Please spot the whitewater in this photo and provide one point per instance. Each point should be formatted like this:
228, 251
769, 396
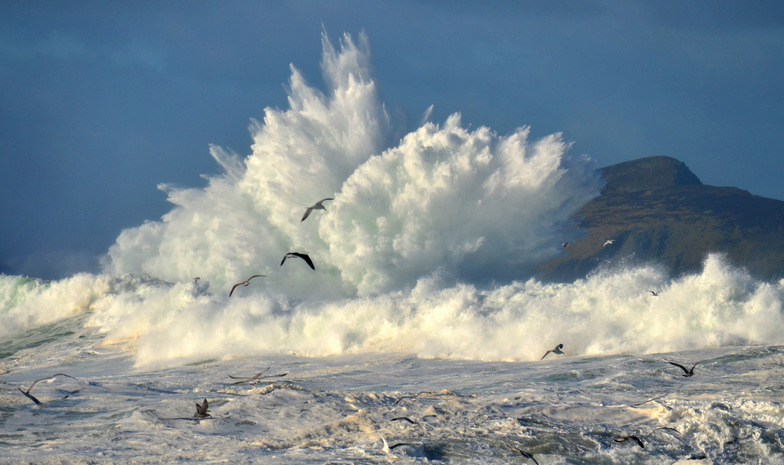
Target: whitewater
418, 337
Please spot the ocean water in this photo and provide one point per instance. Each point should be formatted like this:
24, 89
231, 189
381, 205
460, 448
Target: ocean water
419, 335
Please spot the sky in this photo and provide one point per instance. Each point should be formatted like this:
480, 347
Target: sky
102, 101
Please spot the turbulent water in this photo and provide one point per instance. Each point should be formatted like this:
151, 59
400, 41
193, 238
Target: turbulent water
419, 334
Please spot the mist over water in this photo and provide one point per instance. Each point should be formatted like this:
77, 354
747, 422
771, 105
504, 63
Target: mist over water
426, 248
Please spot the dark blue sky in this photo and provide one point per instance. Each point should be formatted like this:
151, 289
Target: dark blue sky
101, 101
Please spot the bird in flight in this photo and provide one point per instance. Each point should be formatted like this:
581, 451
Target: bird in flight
565, 244
525, 454
687, 373
654, 293
630, 437
245, 283
50, 378
608, 242
557, 350
316, 206
300, 255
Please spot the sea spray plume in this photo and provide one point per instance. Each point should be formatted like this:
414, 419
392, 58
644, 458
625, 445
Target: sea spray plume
472, 203
479, 205
217, 228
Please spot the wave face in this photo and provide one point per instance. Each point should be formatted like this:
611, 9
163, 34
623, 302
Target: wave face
426, 248
471, 203
610, 312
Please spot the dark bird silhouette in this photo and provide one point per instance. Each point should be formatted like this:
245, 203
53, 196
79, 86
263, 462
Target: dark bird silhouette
408, 419
388, 449
196, 279
565, 244
245, 283
256, 377
630, 437
654, 293
300, 255
201, 409
557, 350
32, 397
413, 422
687, 373
316, 206
525, 454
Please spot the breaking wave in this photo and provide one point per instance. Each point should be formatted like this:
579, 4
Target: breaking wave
427, 248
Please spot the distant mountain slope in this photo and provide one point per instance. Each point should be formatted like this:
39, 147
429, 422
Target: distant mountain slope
656, 209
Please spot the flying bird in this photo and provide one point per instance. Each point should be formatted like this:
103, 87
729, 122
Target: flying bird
565, 244
525, 454
201, 409
654, 293
196, 279
258, 376
632, 437
687, 373
245, 283
608, 242
316, 206
300, 255
50, 378
557, 350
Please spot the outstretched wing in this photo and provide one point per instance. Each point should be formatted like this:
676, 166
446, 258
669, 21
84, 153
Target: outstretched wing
234, 287
306, 258
307, 213
49, 378
680, 366
29, 396
300, 255
320, 203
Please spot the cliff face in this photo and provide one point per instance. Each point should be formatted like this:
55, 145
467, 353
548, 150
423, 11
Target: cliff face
656, 209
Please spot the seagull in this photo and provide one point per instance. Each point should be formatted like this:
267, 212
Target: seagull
654, 293
608, 242
565, 244
687, 373
632, 437
408, 419
525, 454
388, 449
201, 410
316, 206
300, 255
256, 377
50, 378
557, 350
245, 283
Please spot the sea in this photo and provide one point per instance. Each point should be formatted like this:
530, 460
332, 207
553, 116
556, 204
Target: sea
421, 334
